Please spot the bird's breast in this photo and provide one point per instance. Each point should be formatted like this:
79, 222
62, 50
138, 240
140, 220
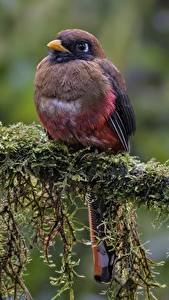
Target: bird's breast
70, 81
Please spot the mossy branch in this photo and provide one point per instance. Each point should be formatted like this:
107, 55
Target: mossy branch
43, 184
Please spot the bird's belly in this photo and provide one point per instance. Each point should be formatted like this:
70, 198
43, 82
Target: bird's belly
102, 137
70, 123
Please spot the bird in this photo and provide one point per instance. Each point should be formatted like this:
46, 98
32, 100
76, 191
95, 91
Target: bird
81, 99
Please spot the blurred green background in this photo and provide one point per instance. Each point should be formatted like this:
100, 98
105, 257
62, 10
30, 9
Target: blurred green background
135, 35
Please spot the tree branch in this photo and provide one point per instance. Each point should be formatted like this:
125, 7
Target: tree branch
43, 185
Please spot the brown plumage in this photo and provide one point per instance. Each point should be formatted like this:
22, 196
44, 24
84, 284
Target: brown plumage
81, 98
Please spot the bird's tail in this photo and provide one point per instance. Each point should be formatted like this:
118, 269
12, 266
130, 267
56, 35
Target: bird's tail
103, 259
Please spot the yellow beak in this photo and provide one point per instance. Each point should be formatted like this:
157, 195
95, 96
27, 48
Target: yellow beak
57, 45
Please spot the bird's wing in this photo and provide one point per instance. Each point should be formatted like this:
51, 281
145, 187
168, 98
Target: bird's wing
122, 120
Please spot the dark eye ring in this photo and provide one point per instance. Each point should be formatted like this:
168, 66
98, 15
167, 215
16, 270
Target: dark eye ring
82, 47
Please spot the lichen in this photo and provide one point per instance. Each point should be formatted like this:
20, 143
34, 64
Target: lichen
42, 185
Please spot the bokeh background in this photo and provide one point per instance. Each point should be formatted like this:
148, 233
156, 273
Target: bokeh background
135, 35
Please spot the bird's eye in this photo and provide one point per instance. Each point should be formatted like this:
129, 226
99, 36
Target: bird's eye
82, 47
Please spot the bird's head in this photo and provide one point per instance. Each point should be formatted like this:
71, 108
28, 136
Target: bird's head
74, 44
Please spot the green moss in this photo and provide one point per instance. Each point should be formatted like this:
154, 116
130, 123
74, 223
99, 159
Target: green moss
43, 183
